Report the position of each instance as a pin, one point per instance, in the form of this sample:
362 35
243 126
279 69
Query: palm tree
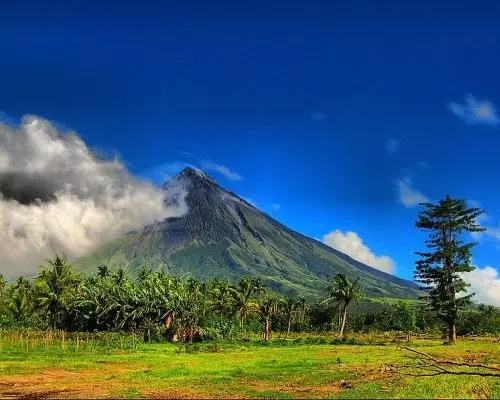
103 271
267 308
242 296
2 291
18 300
144 272
220 296
119 277
289 309
54 285
343 291
301 308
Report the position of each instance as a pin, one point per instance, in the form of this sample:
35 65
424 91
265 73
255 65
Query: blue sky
329 115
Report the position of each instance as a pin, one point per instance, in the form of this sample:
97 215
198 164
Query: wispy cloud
407 194
250 201
475 111
221 169
163 172
485 220
262 205
317 116
352 245
391 146
274 207
491 231
423 165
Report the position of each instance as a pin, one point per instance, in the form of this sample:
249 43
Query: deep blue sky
299 98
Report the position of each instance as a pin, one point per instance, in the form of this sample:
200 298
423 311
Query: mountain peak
194 175
188 177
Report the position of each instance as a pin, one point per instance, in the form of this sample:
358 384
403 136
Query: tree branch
425 357
432 366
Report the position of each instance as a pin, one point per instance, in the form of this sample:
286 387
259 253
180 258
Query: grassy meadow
42 365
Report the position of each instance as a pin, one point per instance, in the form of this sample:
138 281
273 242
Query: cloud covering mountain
56 195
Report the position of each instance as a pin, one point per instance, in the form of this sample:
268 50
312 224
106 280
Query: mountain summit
221 235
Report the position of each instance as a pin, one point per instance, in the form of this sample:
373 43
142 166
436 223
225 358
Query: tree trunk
344 319
289 324
268 325
452 333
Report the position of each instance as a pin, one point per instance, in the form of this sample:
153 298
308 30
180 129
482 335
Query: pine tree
441 268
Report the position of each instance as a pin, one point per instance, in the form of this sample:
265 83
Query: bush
219 328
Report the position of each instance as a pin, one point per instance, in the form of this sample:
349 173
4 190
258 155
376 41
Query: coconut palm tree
2 291
18 300
220 296
301 309
242 295
268 307
103 271
54 284
343 291
289 308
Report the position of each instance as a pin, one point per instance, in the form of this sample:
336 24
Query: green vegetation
163 307
114 365
112 334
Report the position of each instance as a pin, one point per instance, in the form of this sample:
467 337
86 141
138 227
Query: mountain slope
223 236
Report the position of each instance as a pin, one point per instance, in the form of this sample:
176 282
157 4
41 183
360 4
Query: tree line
166 307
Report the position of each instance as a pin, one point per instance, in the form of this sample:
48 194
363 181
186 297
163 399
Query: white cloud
391 146
317 116
485 282
352 245
475 111
221 169
407 194
57 196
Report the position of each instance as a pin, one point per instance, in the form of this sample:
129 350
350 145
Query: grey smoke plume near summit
57 196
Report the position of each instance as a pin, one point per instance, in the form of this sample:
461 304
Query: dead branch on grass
431 366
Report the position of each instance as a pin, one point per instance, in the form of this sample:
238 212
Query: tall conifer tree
440 269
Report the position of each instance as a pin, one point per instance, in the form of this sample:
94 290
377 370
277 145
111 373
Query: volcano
221 235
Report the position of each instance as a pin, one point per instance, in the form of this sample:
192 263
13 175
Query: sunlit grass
239 369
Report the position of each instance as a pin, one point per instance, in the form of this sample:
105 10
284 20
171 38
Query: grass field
283 369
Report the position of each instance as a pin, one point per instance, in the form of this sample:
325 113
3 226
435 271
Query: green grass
238 369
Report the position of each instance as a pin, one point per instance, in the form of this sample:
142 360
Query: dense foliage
164 307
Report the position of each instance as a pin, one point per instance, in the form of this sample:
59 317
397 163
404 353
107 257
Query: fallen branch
460 364
432 366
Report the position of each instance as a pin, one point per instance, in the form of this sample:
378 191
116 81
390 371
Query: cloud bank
352 245
57 196
474 111
485 282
